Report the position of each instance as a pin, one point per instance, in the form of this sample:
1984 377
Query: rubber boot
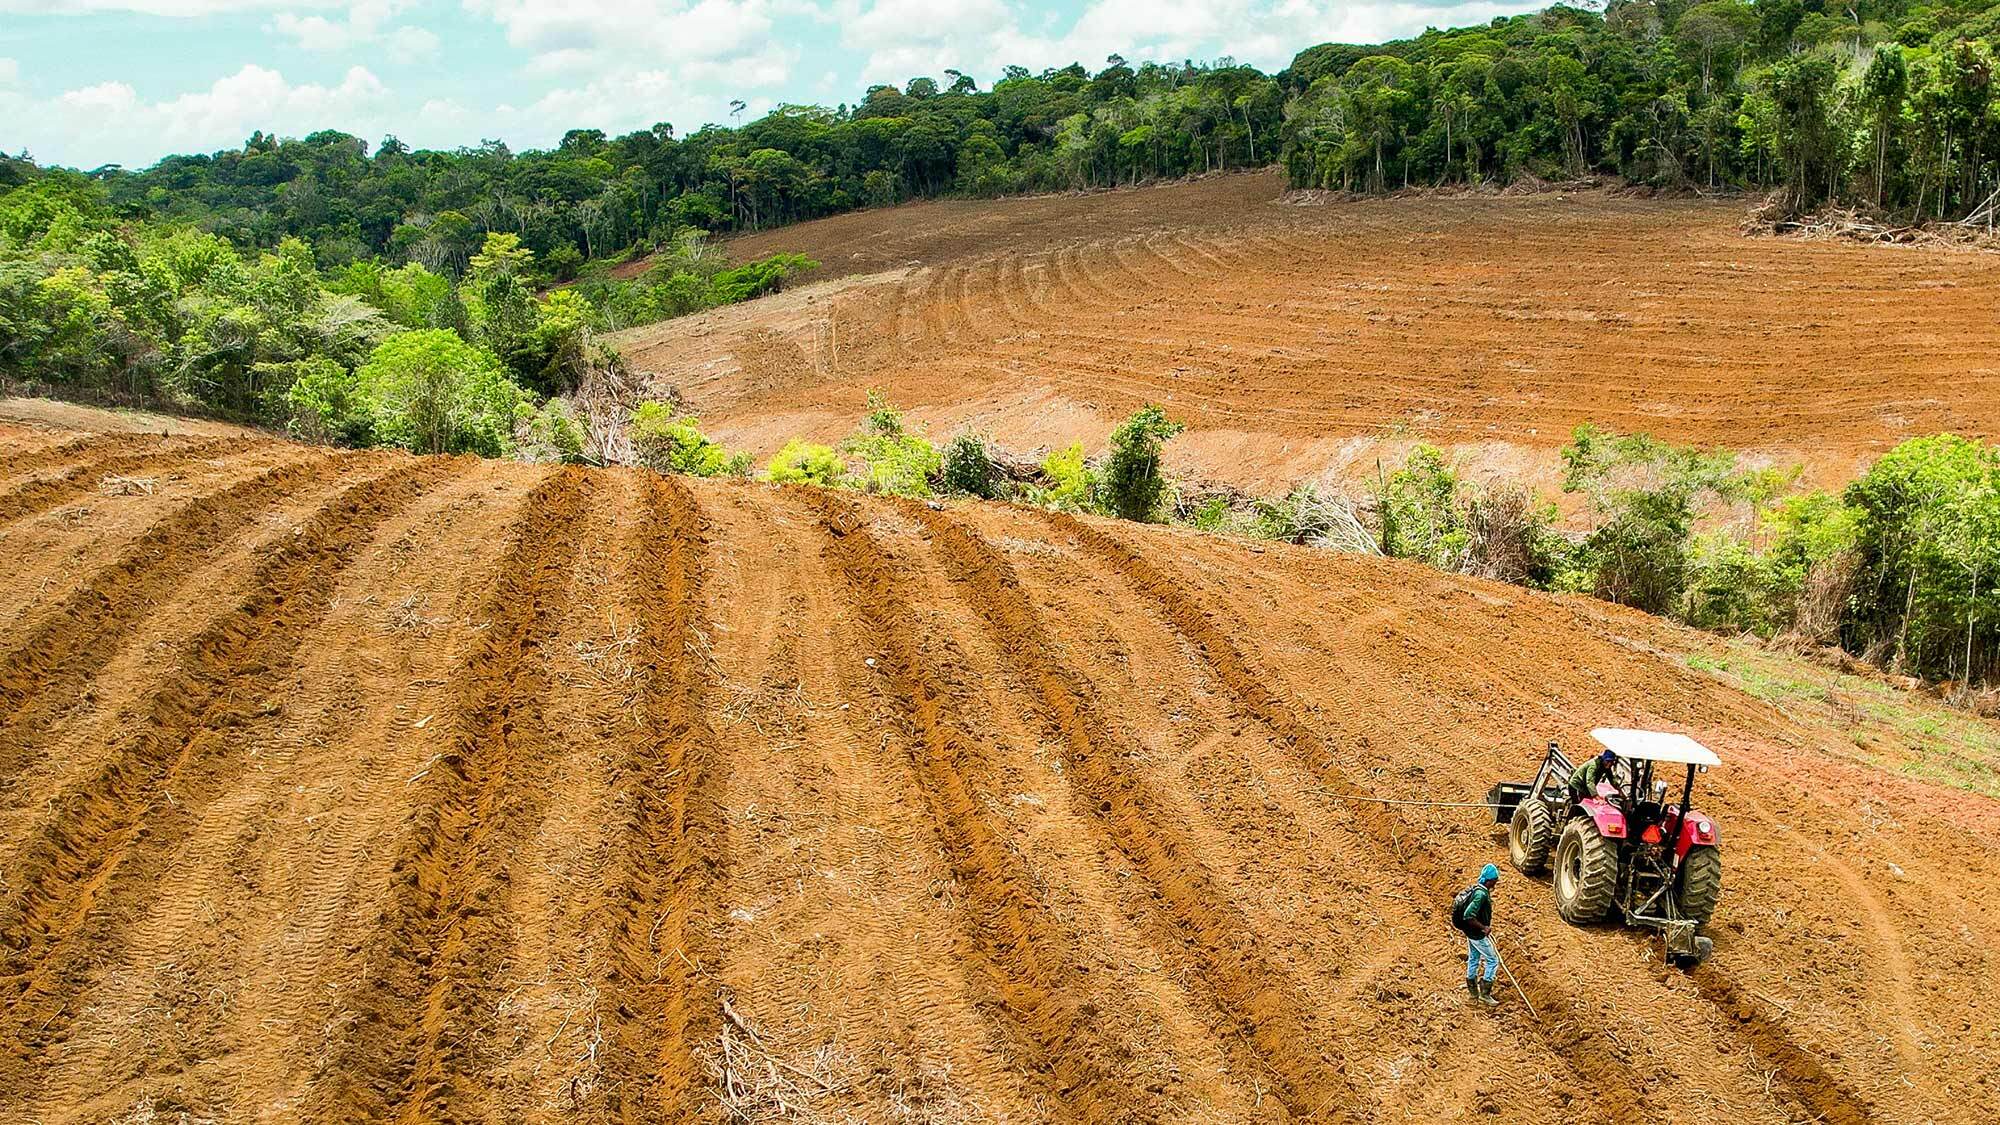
1472 987
1484 994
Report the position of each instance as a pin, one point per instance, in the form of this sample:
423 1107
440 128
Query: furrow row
1013 941
95 824
73 449
1568 1037
406 1049
1244 980
43 493
41 676
668 850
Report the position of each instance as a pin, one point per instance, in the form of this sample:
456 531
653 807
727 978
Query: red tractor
1623 845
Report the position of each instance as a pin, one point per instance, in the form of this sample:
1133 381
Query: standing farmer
1472 914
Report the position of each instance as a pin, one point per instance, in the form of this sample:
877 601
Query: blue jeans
1478 950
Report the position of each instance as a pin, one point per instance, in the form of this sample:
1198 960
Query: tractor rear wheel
1530 837
1701 881
1586 872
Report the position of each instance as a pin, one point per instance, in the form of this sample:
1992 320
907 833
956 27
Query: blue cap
1489 874
1609 756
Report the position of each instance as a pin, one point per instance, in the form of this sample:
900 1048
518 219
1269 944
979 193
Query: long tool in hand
1515 983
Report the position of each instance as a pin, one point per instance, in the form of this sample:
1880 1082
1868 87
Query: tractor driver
1583 781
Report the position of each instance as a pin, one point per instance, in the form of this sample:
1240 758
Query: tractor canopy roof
1655 745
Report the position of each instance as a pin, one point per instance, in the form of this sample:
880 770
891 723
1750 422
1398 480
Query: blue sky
89 82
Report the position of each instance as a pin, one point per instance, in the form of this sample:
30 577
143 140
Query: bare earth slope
359 787
1306 340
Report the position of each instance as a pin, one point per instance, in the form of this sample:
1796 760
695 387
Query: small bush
891 460
1722 586
1072 486
1646 494
1423 508
802 462
552 434
968 468
1132 482
1808 568
324 405
431 392
667 443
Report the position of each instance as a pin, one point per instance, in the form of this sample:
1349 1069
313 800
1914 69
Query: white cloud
367 22
906 38
111 122
625 64
584 36
412 45
183 9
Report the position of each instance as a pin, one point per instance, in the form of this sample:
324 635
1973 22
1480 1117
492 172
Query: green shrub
802 462
1132 482
1072 485
1928 542
968 468
669 444
1808 567
1645 494
431 392
890 459
553 433
324 404
1423 508
1722 586
1215 513
754 279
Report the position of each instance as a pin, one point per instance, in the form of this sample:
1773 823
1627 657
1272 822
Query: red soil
356 786
1301 341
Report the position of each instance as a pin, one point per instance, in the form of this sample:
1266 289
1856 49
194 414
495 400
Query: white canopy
1655 745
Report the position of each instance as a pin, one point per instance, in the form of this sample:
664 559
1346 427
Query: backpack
1459 903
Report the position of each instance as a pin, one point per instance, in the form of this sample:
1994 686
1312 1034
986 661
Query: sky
90 82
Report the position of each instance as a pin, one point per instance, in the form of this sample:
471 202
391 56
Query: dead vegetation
1856 224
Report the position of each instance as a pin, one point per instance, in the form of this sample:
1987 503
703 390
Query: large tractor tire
1586 873
1701 882
1531 835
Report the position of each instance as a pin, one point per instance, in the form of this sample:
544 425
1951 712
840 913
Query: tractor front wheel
1530 837
1586 872
1701 882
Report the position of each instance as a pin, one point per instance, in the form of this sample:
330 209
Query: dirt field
1305 342
359 787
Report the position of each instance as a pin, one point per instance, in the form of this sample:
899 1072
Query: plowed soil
364 787
1307 341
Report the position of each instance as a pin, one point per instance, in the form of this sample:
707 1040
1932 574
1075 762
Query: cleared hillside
357 786
1309 340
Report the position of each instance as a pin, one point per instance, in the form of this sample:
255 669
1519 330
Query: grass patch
1890 728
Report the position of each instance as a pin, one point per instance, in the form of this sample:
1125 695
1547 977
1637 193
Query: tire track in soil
42 675
1259 999
63 452
671 844
1803 1080
439 944
1012 940
1740 1012
62 869
884 983
42 493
